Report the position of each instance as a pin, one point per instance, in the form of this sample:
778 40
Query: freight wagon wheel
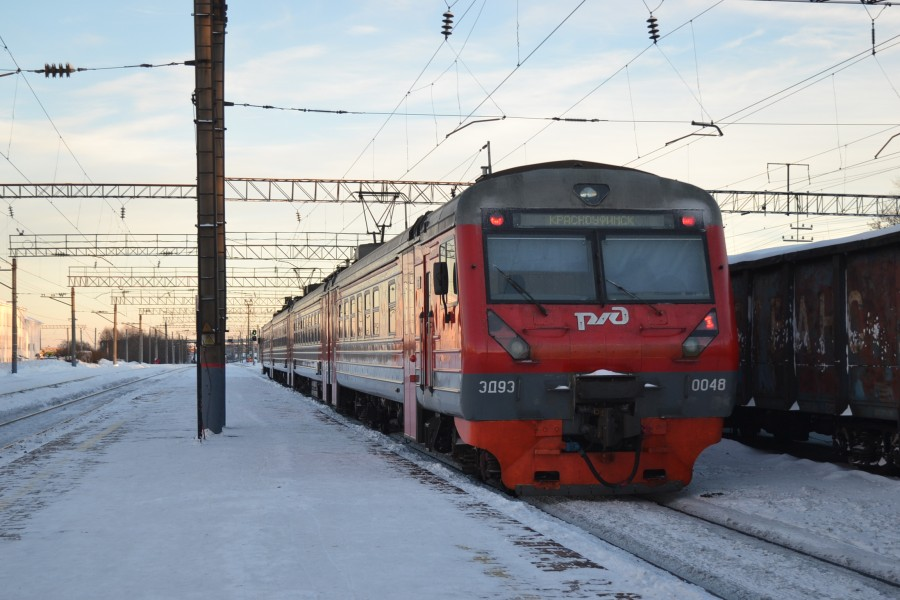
747 431
840 441
894 452
488 468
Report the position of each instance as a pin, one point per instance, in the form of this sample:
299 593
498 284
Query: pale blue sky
732 62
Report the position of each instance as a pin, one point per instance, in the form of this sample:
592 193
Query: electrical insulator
122 213
298 216
654 30
10 210
60 69
447 29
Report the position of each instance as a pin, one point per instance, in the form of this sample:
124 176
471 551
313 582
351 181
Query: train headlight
592 194
506 336
702 335
518 349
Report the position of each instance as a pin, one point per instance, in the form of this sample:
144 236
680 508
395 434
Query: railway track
54 385
727 553
34 423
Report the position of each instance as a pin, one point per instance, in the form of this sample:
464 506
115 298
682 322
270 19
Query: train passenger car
560 328
819 344
274 349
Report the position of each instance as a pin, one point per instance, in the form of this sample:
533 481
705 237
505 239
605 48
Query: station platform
290 501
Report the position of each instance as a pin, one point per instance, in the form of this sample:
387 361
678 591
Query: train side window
360 315
375 310
447 255
392 307
367 304
345 325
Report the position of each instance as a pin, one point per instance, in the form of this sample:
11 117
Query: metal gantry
241 189
807 203
186 277
188 300
435 192
325 247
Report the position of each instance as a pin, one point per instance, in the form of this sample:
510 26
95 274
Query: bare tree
884 222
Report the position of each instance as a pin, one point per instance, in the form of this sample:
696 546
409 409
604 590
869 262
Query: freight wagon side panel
815 344
740 285
771 353
872 296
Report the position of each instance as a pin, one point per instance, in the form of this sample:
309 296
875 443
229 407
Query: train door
426 330
290 324
329 342
410 307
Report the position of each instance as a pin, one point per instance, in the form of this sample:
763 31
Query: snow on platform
287 502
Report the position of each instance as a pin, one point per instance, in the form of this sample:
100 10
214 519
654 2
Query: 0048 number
494 386
708 385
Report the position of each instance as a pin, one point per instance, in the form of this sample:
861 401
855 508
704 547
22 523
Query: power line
489 116
65 70
55 128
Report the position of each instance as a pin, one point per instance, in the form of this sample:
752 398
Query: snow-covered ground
291 502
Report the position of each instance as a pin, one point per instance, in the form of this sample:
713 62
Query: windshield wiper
634 296
516 286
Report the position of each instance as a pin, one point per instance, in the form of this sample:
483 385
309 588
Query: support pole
116 335
140 338
15 322
74 356
209 70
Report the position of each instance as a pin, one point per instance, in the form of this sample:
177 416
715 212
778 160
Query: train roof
629 189
559 164
869 239
629 183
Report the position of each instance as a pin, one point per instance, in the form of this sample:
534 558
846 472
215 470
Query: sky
785 82
293 501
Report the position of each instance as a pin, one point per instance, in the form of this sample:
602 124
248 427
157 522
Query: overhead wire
487 96
62 143
605 81
58 133
513 117
770 100
490 94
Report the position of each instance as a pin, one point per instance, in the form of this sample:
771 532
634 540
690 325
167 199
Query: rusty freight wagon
818 332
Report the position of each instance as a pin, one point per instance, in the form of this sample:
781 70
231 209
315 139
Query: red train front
557 328
578 329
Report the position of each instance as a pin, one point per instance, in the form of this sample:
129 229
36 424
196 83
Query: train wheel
489 468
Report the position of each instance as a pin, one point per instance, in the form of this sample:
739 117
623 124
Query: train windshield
540 268
562 269
655 268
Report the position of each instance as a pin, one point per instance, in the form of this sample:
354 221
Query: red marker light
688 220
496 220
709 322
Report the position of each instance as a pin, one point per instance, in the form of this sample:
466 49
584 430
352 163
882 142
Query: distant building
29 334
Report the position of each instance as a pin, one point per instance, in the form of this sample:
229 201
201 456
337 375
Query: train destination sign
617 220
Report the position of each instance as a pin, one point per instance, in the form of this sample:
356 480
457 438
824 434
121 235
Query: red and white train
560 328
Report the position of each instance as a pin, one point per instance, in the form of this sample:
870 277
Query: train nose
604 408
